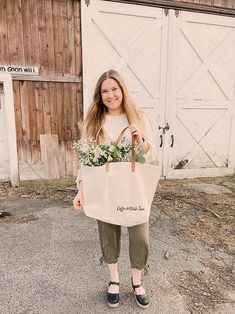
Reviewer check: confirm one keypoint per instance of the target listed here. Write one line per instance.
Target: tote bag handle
(117, 141)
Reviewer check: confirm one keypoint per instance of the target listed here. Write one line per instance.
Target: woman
(113, 109)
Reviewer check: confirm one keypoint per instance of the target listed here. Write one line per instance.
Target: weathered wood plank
(34, 57)
(50, 155)
(35, 151)
(57, 39)
(184, 5)
(74, 106)
(79, 104)
(4, 51)
(46, 108)
(50, 36)
(39, 109)
(25, 120)
(42, 37)
(71, 38)
(67, 112)
(20, 150)
(17, 104)
(13, 24)
(64, 38)
(231, 4)
(24, 111)
(62, 159)
(19, 31)
(53, 104)
(69, 159)
(206, 2)
(41, 78)
(26, 32)
(32, 111)
(78, 50)
(60, 110)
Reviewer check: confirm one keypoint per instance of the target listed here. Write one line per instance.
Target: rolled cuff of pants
(110, 237)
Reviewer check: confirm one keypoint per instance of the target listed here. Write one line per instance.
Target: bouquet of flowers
(91, 154)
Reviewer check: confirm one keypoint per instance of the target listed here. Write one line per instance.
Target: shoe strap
(113, 283)
(136, 286)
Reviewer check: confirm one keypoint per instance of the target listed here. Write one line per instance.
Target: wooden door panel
(131, 39)
(202, 112)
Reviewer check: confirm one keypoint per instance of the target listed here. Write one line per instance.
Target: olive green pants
(110, 238)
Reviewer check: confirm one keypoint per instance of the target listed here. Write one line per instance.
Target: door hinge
(166, 12)
(177, 13)
(87, 2)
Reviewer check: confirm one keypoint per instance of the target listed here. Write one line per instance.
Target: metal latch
(164, 128)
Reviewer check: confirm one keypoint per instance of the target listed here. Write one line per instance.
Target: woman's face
(111, 95)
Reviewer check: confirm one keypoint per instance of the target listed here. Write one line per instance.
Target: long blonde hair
(97, 110)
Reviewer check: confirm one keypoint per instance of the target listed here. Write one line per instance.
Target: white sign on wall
(16, 69)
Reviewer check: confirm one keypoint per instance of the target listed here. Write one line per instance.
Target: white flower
(111, 148)
(91, 154)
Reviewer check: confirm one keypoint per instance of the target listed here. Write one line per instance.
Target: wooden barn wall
(221, 7)
(219, 3)
(44, 33)
(47, 108)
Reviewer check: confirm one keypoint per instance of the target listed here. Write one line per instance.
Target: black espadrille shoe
(113, 298)
(141, 299)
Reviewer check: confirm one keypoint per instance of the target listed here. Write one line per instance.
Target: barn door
(131, 39)
(180, 69)
(200, 88)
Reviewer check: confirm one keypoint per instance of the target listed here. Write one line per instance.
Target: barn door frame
(6, 80)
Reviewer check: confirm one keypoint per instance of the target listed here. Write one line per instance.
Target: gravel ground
(49, 255)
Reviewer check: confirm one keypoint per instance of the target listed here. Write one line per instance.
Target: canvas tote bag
(120, 193)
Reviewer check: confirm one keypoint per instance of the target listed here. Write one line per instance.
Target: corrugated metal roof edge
(184, 6)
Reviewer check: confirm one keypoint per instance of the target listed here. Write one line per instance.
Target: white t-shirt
(113, 126)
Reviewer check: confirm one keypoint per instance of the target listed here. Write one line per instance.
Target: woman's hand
(144, 146)
(136, 133)
(78, 202)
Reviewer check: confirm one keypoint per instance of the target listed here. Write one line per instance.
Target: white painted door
(4, 148)
(131, 39)
(180, 71)
(200, 107)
